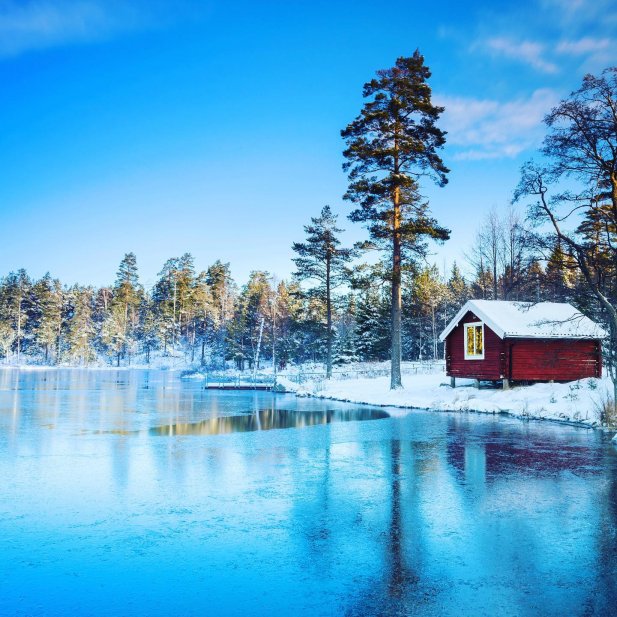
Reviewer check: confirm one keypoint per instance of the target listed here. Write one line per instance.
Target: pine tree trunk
(274, 339)
(19, 331)
(396, 350)
(57, 343)
(173, 332)
(434, 334)
(329, 321)
(397, 302)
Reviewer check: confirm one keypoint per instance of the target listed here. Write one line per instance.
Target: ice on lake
(137, 493)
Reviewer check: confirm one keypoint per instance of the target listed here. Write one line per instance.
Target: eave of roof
(590, 331)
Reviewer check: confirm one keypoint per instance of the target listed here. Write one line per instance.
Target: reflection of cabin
(520, 341)
(494, 457)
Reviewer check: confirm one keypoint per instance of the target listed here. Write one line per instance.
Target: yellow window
(474, 341)
(470, 341)
(479, 341)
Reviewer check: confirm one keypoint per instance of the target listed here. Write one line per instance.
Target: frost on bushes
(572, 395)
(608, 412)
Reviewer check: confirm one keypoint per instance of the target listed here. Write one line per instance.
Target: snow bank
(579, 401)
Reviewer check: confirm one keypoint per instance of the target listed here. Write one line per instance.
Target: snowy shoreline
(403, 409)
(576, 404)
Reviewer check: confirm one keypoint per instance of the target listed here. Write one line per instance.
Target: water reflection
(495, 456)
(430, 514)
(267, 419)
(399, 576)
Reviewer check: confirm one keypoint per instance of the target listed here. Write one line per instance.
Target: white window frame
(465, 326)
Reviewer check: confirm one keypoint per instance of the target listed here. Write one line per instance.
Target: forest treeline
(209, 319)
(336, 308)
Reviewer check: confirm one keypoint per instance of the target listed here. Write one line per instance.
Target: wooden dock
(231, 386)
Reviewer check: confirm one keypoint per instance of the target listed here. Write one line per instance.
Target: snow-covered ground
(580, 401)
(177, 362)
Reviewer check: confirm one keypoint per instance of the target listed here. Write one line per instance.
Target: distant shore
(578, 403)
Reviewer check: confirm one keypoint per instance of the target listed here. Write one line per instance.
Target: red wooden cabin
(520, 341)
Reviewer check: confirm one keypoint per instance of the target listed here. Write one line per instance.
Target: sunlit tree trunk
(397, 301)
(329, 321)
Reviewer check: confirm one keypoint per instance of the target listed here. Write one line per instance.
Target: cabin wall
(492, 367)
(553, 359)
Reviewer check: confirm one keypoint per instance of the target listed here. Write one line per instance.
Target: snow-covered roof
(529, 320)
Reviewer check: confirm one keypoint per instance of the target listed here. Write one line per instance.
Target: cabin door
(518, 362)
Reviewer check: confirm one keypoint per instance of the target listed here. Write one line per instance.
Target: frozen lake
(136, 493)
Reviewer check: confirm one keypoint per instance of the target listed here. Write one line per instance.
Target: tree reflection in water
(265, 420)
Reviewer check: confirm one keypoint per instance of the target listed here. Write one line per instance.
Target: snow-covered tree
(429, 294)
(7, 338)
(458, 290)
(50, 301)
(173, 296)
(81, 330)
(372, 326)
(321, 258)
(151, 328)
(15, 306)
(346, 342)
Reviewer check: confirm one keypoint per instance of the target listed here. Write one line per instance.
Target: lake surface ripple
(137, 493)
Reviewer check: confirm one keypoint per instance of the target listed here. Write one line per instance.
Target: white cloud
(594, 53)
(488, 129)
(580, 13)
(586, 45)
(568, 8)
(529, 52)
(551, 36)
(37, 24)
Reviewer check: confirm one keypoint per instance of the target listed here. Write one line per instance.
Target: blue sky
(213, 127)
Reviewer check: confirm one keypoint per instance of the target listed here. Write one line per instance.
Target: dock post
(505, 384)
(453, 382)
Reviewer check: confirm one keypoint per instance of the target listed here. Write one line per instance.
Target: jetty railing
(239, 381)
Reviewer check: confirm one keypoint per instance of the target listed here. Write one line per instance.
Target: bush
(608, 411)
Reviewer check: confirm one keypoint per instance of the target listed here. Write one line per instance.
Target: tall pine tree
(121, 322)
(390, 146)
